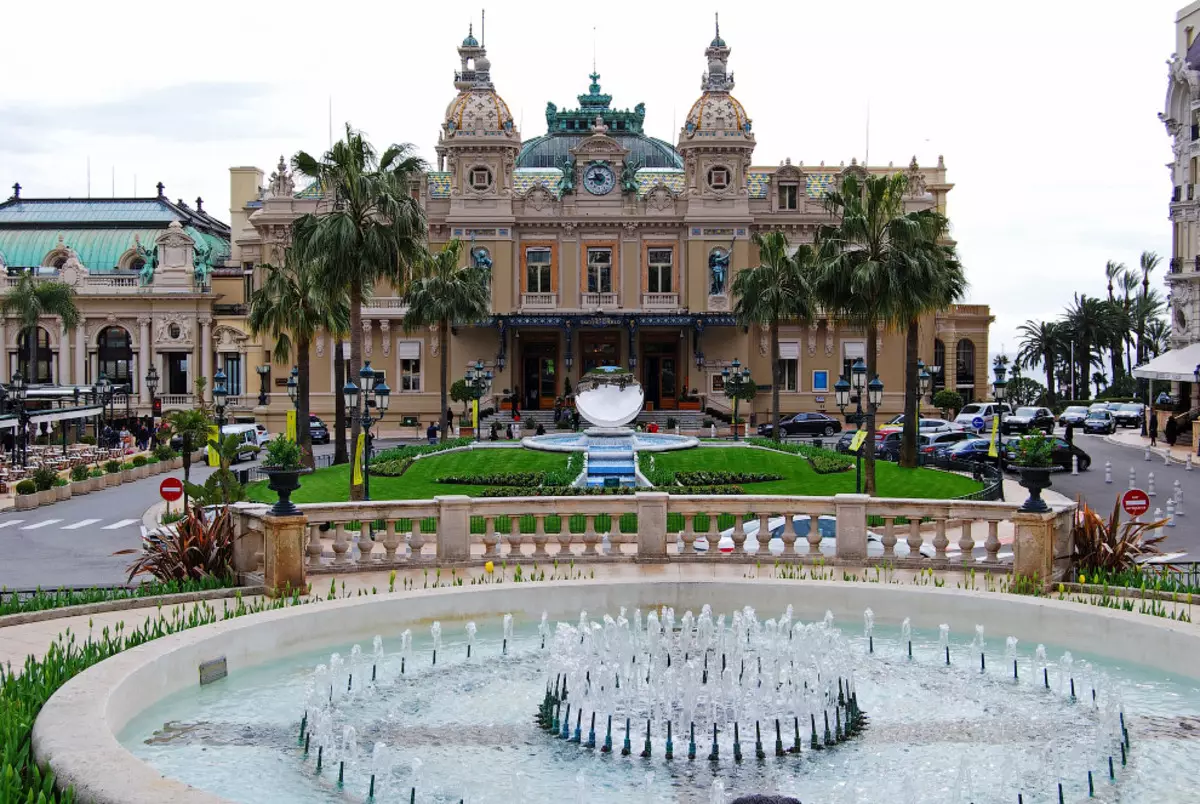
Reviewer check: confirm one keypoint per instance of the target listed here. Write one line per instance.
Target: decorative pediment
(660, 197)
(175, 329)
(539, 197)
(789, 172)
(853, 169)
(227, 337)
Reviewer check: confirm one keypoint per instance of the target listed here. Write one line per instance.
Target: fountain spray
(646, 747)
(715, 754)
(626, 748)
(435, 631)
(759, 753)
(906, 634)
(470, 637)
(944, 640)
(607, 747)
(1010, 652)
(869, 629)
(778, 740)
(508, 632)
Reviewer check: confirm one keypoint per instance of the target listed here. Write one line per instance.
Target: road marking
(41, 524)
(11, 522)
(83, 523)
(120, 524)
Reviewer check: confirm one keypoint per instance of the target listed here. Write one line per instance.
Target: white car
(980, 410)
(262, 434)
(929, 425)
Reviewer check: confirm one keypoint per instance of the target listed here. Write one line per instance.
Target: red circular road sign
(171, 489)
(1135, 502)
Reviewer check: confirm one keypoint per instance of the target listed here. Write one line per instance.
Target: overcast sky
(1045, 111)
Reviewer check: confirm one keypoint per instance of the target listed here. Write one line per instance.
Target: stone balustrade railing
(649, 526)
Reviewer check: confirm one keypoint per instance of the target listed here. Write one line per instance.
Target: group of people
(1170, 431)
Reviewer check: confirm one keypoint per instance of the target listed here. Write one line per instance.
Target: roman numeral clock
(598, 178)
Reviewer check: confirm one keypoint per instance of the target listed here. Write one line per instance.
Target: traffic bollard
(1170, 513)
(1189, 462)
(1147, 452)
(1150, 485)
(1132, 478)
(1074, 464)
(1108, 471)
(1167, 456)
(1158, 514)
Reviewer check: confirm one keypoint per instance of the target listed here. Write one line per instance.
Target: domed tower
(716, 140)
(479, 141)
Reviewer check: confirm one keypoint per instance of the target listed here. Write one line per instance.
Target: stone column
(283, 554)
(64, 356)
(143, 359)
(950, 370)
(1033, 546)
(454, 528)
(206, 359)
(652, 525)
(80, 353)
(850, 511)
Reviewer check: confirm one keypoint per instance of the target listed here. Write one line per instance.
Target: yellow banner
(290, 430)
(857, 442)
(214, 458)
(475, 413)
(992, 452)
(358, 461)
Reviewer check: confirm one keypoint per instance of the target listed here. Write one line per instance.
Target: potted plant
(112, 473)
(153, 465)
(139, 466)
(27, 497)
(97, 479)
(283, 468)
(127, 472)
(1032, 459)
(80, 484)
(62, 489)
(43, 478)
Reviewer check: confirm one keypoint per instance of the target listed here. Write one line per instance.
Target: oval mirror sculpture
(609, 397)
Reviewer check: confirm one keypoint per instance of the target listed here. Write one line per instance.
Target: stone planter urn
(46, 497)
(127, 475)
(1036, 479)
(62, 493)
(177, 462)
(112, 479)
(283, 482)
(81, 486)
(95, 483)
(26, 502)
(139, 472)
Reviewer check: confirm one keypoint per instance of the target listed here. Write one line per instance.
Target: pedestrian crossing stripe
(120, 524)
(41, 524)
(83, 523)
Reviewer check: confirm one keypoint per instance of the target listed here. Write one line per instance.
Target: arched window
(939, 359)
(43, 359)
(965, 362)
(116, 355)
(137, 264)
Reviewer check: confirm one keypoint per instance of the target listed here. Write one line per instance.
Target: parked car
(803, 424)
(248, 437)
(843, 442)
(1060, 454)
(262, 434)
(1100, 421)
(887, 445)
(1097, 406)
(981, 410)
(1073, 415)
(927, 425)
(1028, 418)
(1129, 414)
(940, 443)
(970, 451)
(317, 430)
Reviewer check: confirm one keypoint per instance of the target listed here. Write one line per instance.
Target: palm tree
(778, 289)
(1129, 286)
(1114, 271)
(29, 301)
(1146, 263)
(1158, 337)
(1147, 307)
(442, 294)
(193, 427)
(1041, 343)
(1089, 322)
(933, 279)
(294, 304)
(862, 257)
(372, 231)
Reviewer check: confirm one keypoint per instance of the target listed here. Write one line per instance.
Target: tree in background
(32, 299)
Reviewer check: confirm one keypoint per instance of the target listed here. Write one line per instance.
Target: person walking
(1171, 431)
(1153, 429)
(1070, 434)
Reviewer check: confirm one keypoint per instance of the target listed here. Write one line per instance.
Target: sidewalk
(1132, 438)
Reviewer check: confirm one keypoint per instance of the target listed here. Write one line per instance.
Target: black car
(940, 443)
(1100, 421)
(1025, 419)
(803, 424)
(317, 430)
(1129, 415)
(843, 442)
(1060, 454)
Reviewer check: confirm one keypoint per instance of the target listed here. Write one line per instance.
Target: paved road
(72, 543)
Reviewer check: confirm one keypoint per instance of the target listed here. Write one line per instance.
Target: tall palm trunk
(340, 455)
(444, 375)
(777, 374)
(303, 433)
(1048, 361)
(868, 446)
(31, 346)
(1084, 354)
(912, 389)
(356, 350)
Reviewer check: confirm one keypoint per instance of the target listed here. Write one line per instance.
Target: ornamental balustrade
(657, 527)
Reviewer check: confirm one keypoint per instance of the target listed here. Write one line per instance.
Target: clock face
(598, 179)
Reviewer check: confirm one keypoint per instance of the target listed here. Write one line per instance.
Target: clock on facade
(598, 178)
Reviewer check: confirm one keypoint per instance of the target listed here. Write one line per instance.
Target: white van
(981, 410)
(247, 435)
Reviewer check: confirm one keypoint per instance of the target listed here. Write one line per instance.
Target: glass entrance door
(660, 379)
(539, 376)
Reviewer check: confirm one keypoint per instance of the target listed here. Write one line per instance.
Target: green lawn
(420, 481)
(800, 479)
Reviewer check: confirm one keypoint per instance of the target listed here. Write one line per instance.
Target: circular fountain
(610, 397)
(458, 701)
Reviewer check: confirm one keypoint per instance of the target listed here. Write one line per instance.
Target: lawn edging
(127, 603)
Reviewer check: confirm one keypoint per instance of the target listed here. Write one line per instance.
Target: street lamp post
(924, 384)
(842, 388)
(293, 387)
(220, 397)
(152, 387)
(372, 391)
(874, 400)
(999, 389)
(104, 394)
(17, 391)
(736, 379)
(478, 382)
(264, 371)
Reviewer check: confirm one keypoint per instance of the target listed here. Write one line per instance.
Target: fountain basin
(76, 731)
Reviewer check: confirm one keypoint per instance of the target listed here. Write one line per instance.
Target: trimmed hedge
(723, 478)
(392, 468)
(414, 450)
(823, 461)
(598, 491)
(497, 479)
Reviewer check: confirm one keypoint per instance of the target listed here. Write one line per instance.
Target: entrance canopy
(10, 421)
(1178, 365)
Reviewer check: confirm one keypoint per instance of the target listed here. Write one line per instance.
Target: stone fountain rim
(75, 732)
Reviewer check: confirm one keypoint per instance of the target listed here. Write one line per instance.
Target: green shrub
(283, 453)
(723, 478)
(498, 479)
(164, 452)
(824, 465)
(139, 461)
(171, 516)
(597, 491)
(823, 461)
(126, 466)
(152, 461)
(44, 477)
(88, 439)
(26, 487)
(413, 450)
(59, 482)
(97, 472)
(392, 468)
(79, 472)
(949, 401)
(112, 467)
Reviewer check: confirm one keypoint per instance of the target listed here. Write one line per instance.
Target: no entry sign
(1135, 502)
(171, 489)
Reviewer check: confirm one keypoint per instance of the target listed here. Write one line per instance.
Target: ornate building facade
(605, 246)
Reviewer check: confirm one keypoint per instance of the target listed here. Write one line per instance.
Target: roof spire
(16, 191)
(161, 187)
(717, 19)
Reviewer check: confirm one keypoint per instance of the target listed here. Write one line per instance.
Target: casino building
(606, 246)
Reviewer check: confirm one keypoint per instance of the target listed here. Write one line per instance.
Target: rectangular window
(852, 351)
(233, 374)
(410, 374)
(599, 270)
(660, 272)
(481, 178)
(538, 269)
(177, 373)
(790, 369)
(788, 196)
(247, 281)
(820, 380)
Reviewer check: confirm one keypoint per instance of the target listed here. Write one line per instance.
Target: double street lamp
(293, 387)
(152, 387)
(478, 383)
(874, 390)
(375, 394)
(16, 392)
(104, 393)
(999, 391)
(264, 371)
(220, 397)
(736, 379)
